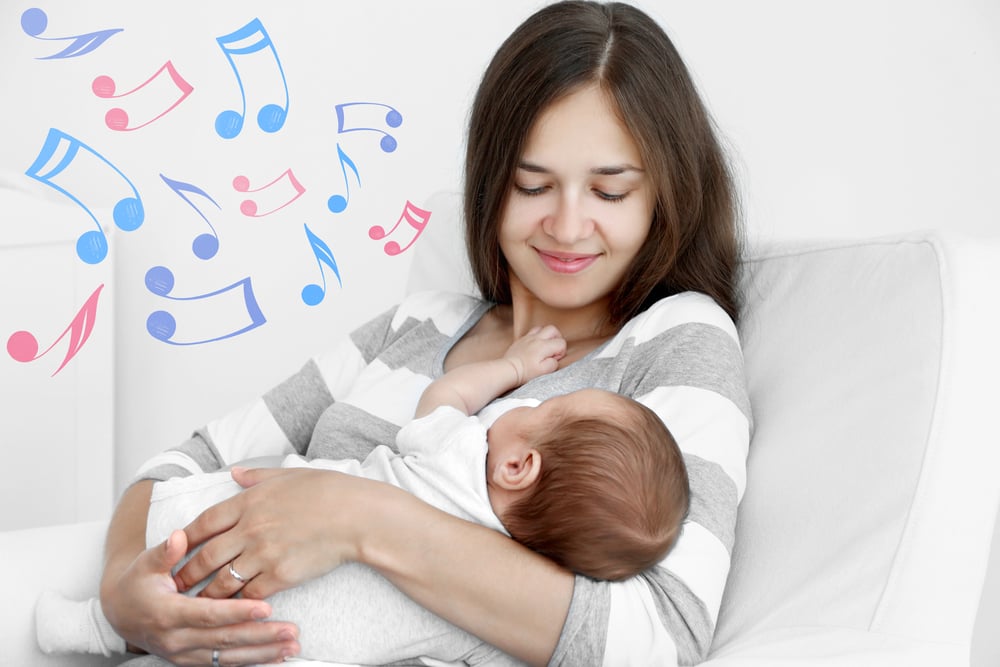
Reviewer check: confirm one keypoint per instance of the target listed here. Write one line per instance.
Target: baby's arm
(471, 386)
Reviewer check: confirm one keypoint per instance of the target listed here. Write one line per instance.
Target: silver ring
(215, 657)
(236, 575)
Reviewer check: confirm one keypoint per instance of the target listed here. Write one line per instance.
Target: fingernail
(286, 636)
(259, 613)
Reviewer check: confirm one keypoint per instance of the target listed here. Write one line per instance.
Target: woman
(597, 199)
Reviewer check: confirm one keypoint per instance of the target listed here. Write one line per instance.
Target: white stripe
(248, 432)
(636, 635)
(395, 406)
(701, 561)
(707, 425)
(448, 310)
(170, 458)
(678, 310)
(339, 367)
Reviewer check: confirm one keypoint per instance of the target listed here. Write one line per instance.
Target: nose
(569, 222)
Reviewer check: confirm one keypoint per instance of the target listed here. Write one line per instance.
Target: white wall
(844, 118)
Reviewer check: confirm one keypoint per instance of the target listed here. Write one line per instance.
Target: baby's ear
(519, 471)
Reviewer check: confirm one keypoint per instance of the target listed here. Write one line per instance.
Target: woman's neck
(584, 328)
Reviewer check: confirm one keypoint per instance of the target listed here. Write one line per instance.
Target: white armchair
(864, 534)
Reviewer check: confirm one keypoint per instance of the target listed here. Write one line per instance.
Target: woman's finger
(239, 655)
(230, 580)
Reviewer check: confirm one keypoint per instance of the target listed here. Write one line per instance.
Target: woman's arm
(478, 579)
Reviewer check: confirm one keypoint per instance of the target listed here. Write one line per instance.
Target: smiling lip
(561, 262)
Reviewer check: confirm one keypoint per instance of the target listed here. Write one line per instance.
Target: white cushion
(872, 494)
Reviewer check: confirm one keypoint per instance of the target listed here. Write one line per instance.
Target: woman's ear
(518, 471)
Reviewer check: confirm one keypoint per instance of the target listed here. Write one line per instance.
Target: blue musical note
(128, 214)
(392, 119)
(313, 294)
(34, 21)
(271, 117)
(337, 203)
(205, 245)
(162, 325)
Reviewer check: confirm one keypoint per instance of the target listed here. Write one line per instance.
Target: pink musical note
(368, 117)
(117, 118)
(337, 203)
(23, 346)
(233, 303)
(249, 206)
(204, 246)
(415, 217)
(313, 294)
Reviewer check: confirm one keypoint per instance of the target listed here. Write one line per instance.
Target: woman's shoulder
(682, 310)
(448, 310)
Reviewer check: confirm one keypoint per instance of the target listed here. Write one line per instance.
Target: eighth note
(251, 38)
(201, 312)
(313, 294)
(117, 118)
(249, 207)
(337, 203)
(359, 117)
(34, 21)
(128, 213)
(415, 217)
(205, 245)
(23, 346)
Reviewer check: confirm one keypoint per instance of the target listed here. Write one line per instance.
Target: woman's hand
(289, 525)
(144, 607)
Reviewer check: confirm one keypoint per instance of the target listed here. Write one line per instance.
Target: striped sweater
(681, 357)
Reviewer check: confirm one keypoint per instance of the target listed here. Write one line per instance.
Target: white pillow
(872, 488)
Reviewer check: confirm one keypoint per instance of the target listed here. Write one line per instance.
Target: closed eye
(530, 192)
(611, 196)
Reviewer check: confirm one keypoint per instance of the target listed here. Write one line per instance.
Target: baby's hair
(611, 497)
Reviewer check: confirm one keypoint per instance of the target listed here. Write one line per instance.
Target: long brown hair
(694, 241)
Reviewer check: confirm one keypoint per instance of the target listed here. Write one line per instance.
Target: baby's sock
(67, 626)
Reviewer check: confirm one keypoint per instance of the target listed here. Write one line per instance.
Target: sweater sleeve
(685, 362)
(281, 421)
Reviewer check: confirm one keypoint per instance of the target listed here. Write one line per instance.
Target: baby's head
(591, 479)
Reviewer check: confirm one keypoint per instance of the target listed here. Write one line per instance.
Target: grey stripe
(585, 632)
(694, 355)
(297, 403)
(370, 337)
(348, 432)
(682, 612)
(713, 499)
(419, 351)
(201, 450)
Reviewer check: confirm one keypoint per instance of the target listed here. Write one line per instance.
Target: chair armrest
(65, 558)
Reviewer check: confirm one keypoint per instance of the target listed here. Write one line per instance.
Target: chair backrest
(872, 475)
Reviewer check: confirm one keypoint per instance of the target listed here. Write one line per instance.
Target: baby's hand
(536, 353)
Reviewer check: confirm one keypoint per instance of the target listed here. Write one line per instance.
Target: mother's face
(581, 206)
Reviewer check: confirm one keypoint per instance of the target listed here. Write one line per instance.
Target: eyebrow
(611, 170)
